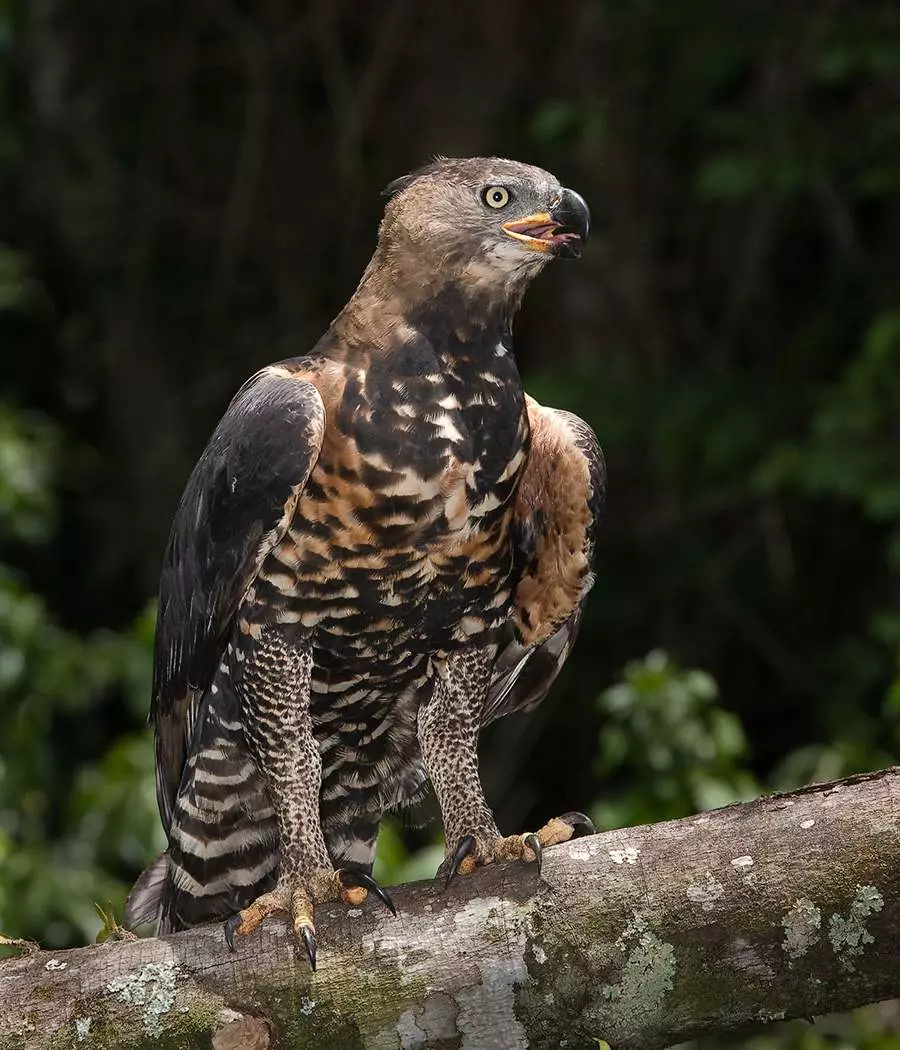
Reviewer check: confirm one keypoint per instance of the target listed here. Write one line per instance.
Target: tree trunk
(784, 907)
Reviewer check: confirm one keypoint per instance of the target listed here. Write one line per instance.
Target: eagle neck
(452, 314)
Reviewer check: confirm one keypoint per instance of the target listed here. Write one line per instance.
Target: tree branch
(783, 907)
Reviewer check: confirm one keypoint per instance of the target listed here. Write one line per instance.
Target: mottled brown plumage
(384, 546)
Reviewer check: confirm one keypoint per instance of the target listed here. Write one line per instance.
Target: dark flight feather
(235, 508)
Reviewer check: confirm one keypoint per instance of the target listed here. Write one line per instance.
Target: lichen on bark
(596, 947)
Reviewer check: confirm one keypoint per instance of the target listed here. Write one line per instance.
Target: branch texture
(784, 907)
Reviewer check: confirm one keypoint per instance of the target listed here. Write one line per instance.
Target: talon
(533, 843)
(360, 878)
(579, 821)
(465, 847)
(309, 942)
(230, 926)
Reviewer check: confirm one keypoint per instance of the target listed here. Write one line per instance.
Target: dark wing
(237, 505)
(558, 514)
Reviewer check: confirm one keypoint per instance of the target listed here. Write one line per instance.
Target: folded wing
(558, 511)
(236, 506)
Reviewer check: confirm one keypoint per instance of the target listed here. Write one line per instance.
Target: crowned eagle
(385, 545)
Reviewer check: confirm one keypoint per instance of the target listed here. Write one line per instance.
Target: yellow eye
(496, 196)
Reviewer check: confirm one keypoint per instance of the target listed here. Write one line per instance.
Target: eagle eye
(496, 196)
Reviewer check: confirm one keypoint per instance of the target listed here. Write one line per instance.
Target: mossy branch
(784, 907)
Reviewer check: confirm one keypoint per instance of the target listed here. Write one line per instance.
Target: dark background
(188, 192)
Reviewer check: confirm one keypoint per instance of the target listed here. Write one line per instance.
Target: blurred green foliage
(734, 340)
(871, 1028)
(77, 805)
(669, 744)
(77, 808)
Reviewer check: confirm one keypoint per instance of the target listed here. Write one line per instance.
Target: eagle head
(489, 222)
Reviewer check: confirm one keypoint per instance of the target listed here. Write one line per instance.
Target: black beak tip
(574, 216)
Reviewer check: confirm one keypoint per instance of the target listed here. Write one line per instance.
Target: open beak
(562, 230)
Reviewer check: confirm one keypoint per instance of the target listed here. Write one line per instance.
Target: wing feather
(558, 513)
(236, 506)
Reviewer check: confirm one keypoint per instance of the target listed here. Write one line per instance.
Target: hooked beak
(561, 231)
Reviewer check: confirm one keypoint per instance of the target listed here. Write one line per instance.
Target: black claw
(466, 845)
(309, 941)
(534, 844)
(582, 825)
(349, 876)
(230, 926)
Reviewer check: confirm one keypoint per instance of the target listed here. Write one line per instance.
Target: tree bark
(784, 907)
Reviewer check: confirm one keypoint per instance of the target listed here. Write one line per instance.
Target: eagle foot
(298, 896)
(472, 851)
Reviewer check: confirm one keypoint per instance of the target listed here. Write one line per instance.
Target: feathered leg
(448, 726)
(272, 667)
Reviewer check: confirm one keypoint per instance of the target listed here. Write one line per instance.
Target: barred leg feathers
(449, 724)
(272, 669)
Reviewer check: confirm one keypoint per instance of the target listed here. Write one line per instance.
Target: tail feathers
(223, 839)
(145, 900)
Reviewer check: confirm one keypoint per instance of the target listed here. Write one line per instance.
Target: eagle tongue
(540, 231)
